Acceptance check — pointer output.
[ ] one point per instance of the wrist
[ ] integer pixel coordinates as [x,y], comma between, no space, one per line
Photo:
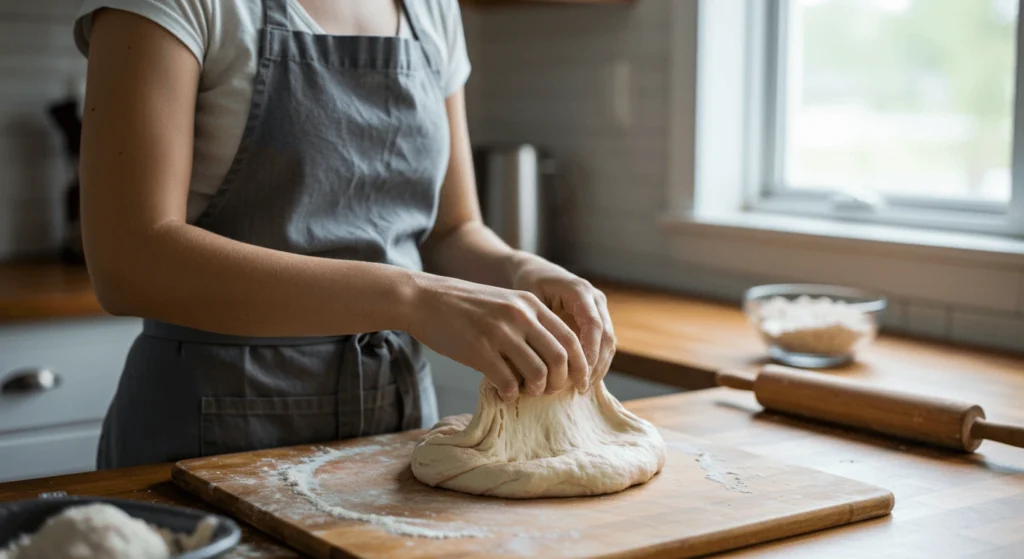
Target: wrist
[407,291]
[515,263]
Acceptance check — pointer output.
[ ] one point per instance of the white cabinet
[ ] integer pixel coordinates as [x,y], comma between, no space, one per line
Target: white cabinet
[53,430]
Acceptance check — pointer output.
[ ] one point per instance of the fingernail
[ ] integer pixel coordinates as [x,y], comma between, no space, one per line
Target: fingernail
[535,389]
[508,396]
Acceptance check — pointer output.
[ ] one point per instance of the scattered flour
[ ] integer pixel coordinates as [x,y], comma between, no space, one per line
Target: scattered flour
[103,531]
[713,471]
[302,481]
[714,468]
[820,326]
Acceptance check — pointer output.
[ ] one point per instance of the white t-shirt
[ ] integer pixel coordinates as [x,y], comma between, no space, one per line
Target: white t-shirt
[224,36]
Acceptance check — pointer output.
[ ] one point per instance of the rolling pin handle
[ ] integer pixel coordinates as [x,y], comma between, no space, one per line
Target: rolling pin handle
[1012,435]
[735,379]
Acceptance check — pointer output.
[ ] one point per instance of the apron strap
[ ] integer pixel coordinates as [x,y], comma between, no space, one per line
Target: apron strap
[431,55]
[275,13]
[413,25]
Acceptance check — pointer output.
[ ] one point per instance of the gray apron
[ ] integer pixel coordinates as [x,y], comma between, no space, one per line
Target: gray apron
[343,155]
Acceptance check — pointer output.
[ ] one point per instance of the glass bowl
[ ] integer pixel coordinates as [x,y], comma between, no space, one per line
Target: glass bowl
[813,326]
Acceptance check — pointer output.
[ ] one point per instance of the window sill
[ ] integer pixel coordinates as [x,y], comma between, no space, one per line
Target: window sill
[914,243]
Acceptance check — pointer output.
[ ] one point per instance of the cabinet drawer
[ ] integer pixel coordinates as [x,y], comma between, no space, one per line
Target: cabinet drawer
[86,354]
[49,452]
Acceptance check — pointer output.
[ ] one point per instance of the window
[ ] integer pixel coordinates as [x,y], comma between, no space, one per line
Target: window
[893,111]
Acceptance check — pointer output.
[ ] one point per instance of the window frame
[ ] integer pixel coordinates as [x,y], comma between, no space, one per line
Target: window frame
[763,188]
[711,243]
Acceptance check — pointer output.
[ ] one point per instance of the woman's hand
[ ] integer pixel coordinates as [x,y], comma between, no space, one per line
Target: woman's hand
[510,336]
[579,304]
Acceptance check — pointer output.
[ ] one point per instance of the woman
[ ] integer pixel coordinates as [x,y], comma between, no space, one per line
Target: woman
[264,182]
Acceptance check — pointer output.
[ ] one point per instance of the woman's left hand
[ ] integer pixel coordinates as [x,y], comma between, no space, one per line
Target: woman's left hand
[581,305]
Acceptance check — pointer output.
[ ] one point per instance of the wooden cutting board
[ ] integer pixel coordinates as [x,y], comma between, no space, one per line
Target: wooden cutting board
[707,498]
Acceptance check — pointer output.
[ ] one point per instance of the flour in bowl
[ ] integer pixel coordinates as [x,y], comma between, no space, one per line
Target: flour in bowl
[820,325]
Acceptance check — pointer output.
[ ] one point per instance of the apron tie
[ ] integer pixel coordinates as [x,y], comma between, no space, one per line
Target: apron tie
[408,381]
[351,382]
[381,352]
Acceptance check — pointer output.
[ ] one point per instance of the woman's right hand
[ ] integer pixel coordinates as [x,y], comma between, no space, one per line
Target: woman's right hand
[509,336]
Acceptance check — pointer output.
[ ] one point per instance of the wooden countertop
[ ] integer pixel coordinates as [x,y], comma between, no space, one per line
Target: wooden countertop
[947,504]
[45,289]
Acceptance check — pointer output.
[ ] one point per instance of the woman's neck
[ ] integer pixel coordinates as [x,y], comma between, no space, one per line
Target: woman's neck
[355,17]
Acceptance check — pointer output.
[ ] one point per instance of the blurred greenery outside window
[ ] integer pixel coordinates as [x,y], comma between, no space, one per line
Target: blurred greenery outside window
[896,102]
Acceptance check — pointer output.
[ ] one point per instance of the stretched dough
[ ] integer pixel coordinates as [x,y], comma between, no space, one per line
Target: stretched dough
[561,445]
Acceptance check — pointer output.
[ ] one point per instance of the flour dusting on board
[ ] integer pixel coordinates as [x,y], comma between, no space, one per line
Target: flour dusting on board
[714,472]
[301,479]
[714,468]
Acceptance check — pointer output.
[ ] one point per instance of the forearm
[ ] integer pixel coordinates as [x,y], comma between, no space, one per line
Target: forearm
[473,252]
[184,275]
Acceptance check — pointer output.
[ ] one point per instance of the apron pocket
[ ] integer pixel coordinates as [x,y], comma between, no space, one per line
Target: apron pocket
[242,424]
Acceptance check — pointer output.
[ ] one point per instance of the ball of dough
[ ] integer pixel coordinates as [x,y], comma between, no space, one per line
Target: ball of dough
[560,445]
[95,531]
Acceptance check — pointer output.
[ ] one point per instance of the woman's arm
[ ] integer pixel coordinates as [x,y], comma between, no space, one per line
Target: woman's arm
[145,260]
[461,246]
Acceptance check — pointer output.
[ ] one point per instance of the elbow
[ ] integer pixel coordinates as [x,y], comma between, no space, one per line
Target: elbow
[126,275]
[118,281]
[112,290]
[115,307]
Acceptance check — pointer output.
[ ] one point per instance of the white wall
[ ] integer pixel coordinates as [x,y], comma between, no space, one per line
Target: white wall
[38,61]
[547,74]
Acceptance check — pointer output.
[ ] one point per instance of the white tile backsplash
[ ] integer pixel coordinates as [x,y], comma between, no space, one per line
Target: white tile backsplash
[38,10]
[39,65]
[930,321]
[1020,293]
[1000,331]
[894,319]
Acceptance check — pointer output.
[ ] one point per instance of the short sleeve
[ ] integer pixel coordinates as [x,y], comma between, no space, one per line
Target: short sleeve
[458,67]
[185,19]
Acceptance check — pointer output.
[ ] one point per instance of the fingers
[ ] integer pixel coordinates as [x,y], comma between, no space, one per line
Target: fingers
[504,379]
[608,341]
[557,344]
[587,316]
[530,366]
[568,346]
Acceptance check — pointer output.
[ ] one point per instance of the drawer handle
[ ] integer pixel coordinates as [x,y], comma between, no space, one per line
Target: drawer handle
[24,381]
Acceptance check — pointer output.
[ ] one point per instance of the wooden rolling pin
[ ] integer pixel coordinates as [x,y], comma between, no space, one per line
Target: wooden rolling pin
[946,423]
